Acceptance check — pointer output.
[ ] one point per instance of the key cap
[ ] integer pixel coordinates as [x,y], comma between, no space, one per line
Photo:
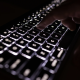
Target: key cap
[39,39]
[2,47]
[47,47]
[34,45]
[39,18]
[44,34]
[8,41]
[56,36]
[32,23]
[31,67]
[28,37]
[27,27]
[13,28]
[14,49]
[21,31]
[16,62]
[24,21]
[48,30]
[58,53]
[43,75]
[5,33]
[1,37]
[26,52]
[21,42]
[62,27]
[29,18]
[52,63]
[56,23]
[52,41]
[4,57]
[15,35]
[36,19]
[60,31]
[52,27]
[42,54]
[33,32]
[18,24]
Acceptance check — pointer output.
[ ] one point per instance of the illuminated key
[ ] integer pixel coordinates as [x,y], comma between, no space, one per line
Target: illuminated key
[52,63]
[16,62]
[58,53]
[43,75]
[4,57]
[30,67]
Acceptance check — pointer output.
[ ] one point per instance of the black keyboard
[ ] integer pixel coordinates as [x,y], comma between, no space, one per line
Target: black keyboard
[33,54]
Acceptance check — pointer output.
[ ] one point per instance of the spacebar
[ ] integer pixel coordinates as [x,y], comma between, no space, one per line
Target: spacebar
[67,39]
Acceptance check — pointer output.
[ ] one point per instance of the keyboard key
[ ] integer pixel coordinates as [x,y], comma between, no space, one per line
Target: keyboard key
[39,18]
[52,27]
[33,32]
[36,19]
[12,28]
[33,45]
[47,47]
[29,18]
[30,67]
[27,27]
[21,31]
[32,23]
[15,35]
[14,49]
[4,57]
[8,41]
[1,38]
[28,37]
[56,36]
[21,42]
[62,27]
[5,33]
[24,21]
[26,52]
[59,31]
[42,16]
[2,47]
[52,63]
[44,34]
[56,23]
[16,62]
[48,30]
[43,75]
[43,54]
[39,39]
[18,24]
[52,41]
[58,53]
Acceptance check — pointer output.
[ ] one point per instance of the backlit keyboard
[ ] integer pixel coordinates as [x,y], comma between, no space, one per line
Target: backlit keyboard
[30,53]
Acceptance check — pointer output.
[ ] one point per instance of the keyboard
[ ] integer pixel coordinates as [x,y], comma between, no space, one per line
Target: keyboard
[33,54]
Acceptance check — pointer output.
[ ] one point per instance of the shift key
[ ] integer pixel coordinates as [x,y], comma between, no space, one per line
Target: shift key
[31,66]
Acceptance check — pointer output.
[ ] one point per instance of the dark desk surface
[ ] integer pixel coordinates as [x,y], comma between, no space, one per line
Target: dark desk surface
[8,12]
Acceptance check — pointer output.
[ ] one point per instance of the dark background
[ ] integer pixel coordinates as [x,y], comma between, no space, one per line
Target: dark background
[11,9]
